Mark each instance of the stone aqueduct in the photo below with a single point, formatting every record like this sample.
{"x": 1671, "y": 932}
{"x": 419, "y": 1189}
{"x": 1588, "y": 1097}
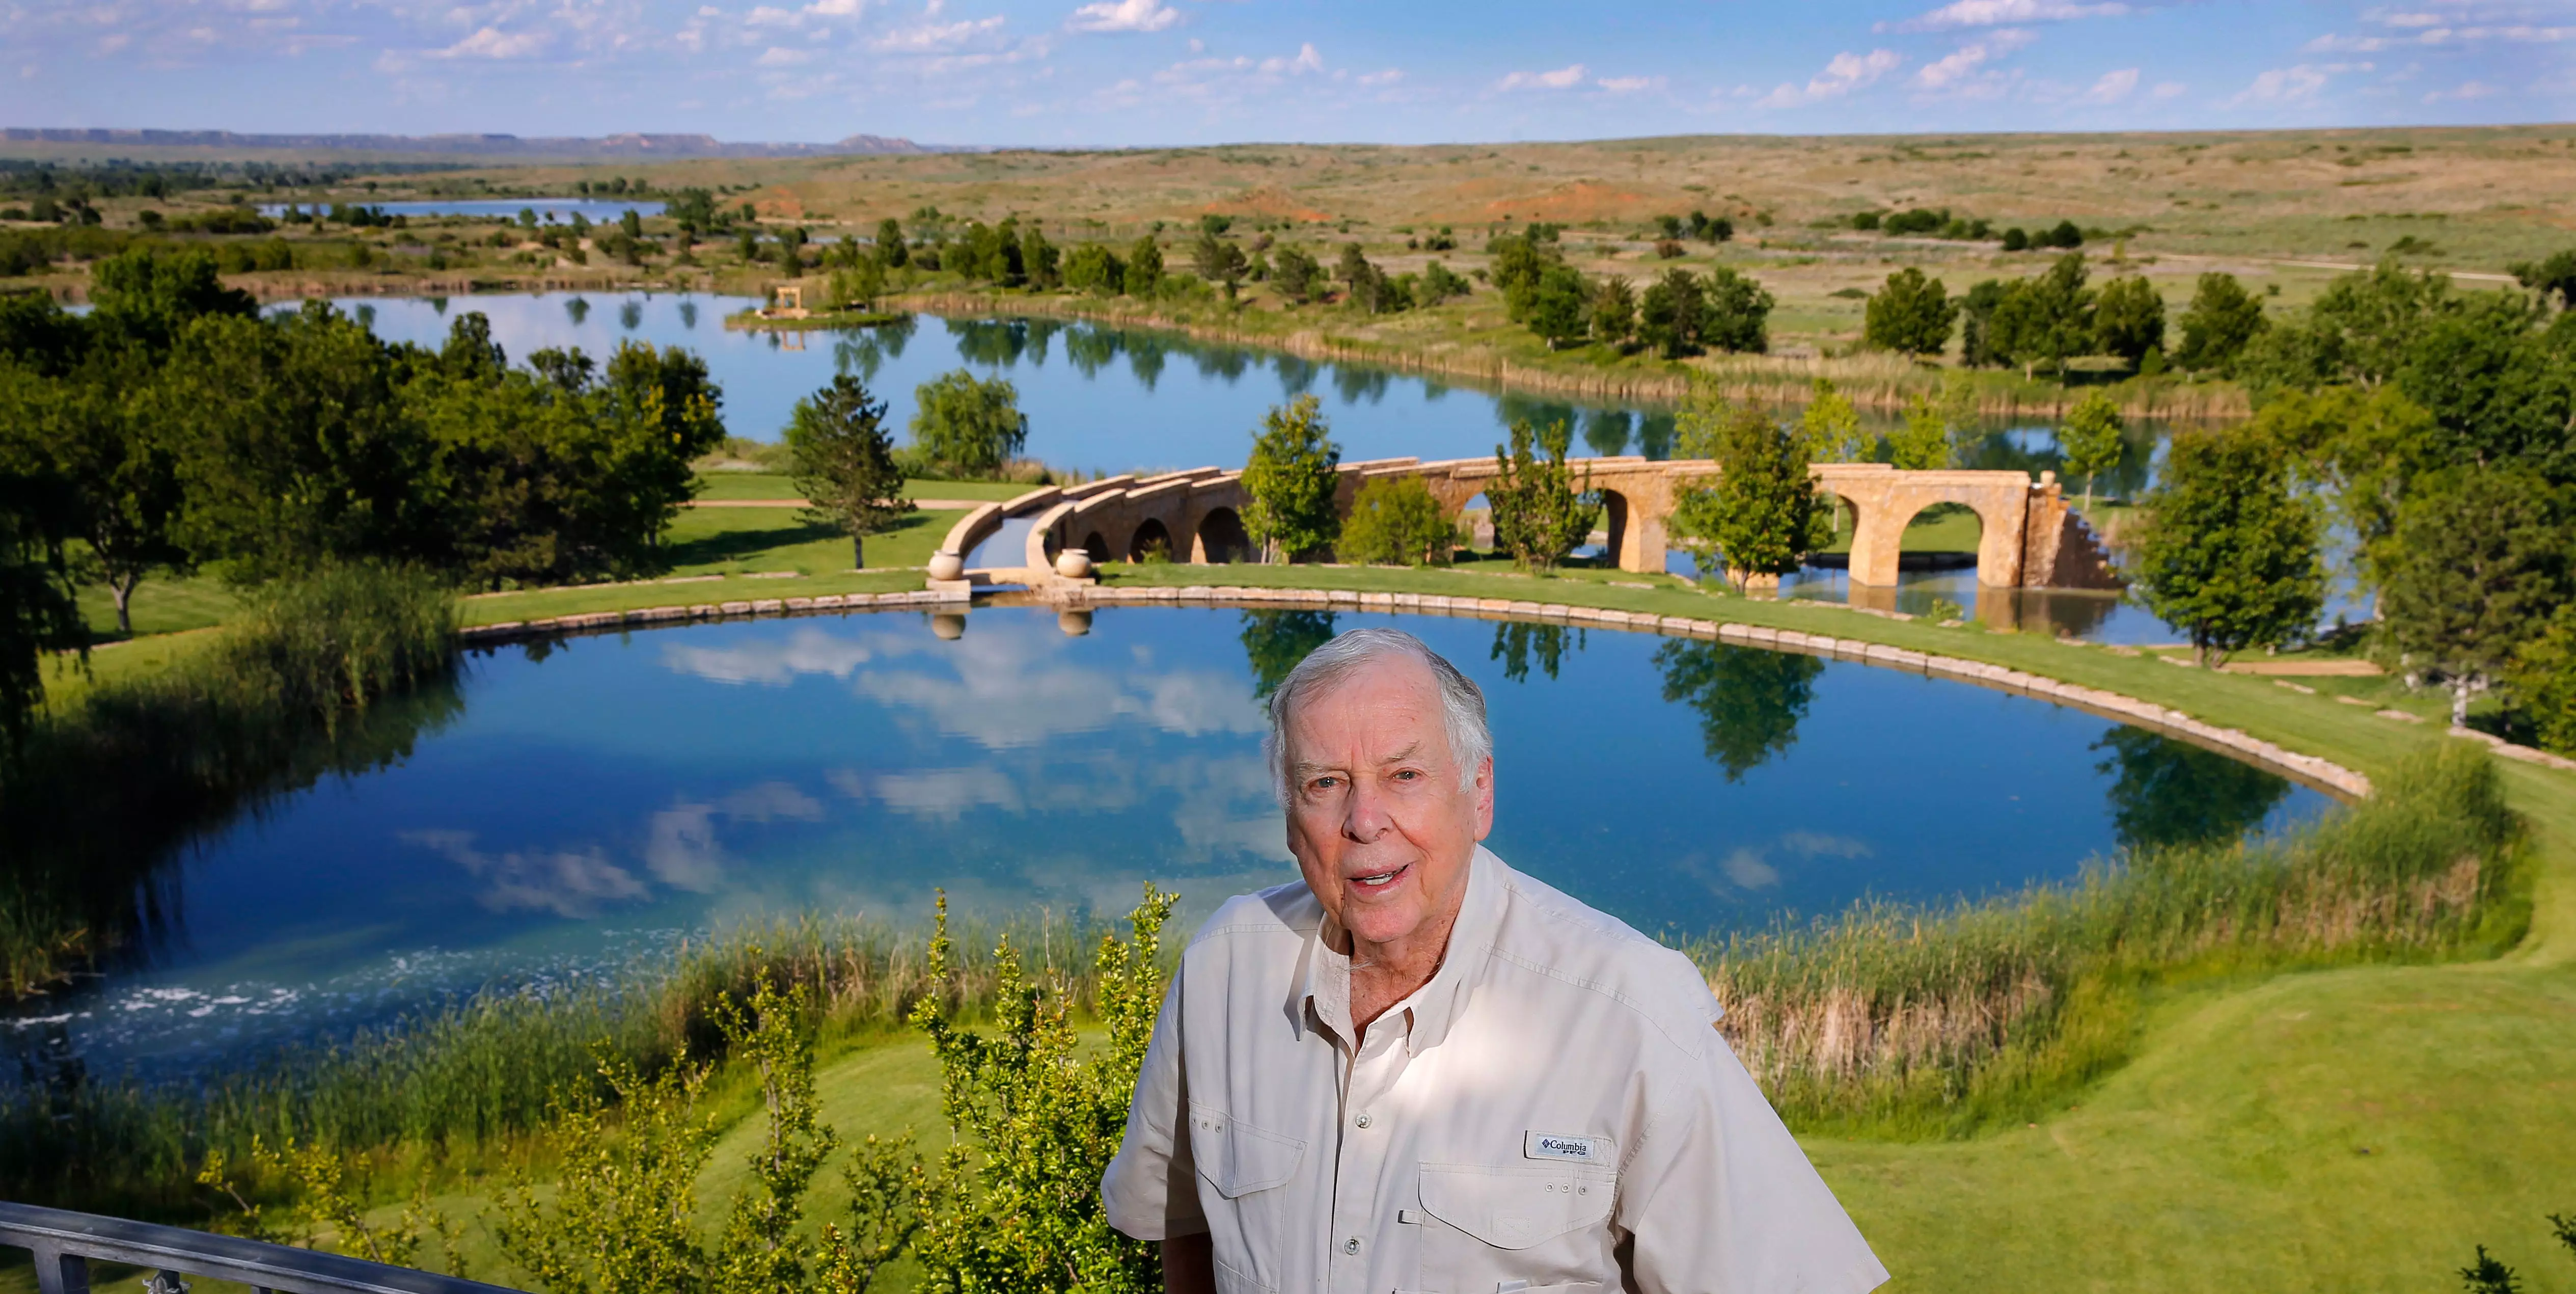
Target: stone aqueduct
{"x": 2029, "y": 538}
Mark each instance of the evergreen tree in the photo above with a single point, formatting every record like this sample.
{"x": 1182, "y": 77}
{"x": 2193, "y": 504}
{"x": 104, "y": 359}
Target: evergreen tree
{"x": 1541, "y": 513}
{"x": 1614, "y": 311}
{"x": 1144, "y": 267}
{"x": 1559, "y": 307}
{"x": 2480, "y": 566}
{"x": 890, "y": 250}
{"x": 841, "y": 458}
{"x": 1737, "y": 316}
{"x": 2229, "y": 553}
{"x": 1910, "y": 315}
{"x": 1291, "y": 478}
{"x": 1669, "y": 315}
{"x": 1976, "y": 325}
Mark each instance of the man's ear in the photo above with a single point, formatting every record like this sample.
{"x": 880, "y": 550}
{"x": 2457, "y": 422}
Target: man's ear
{"x": 1484, "y": 794}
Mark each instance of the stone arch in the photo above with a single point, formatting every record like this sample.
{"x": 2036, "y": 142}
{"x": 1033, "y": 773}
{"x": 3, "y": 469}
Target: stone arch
{"x": 1096, "y": 546}
{"x": 1998, "y": 543}
{"x": 1221, "y": 538}
{"x": 1615, "y": 512}
{"x": 1150, "y": 534}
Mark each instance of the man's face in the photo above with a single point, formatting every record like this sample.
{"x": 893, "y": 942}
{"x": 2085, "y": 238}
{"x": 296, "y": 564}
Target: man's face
{"x": 1376, "y": 816}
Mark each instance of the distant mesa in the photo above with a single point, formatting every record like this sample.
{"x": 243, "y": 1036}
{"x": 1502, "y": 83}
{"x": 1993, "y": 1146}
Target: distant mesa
{"x": 627, "y": 145}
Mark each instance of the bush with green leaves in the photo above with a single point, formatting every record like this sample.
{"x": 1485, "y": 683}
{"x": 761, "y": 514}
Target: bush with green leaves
{"x": 2091, "y": 441}
{"x": 1394, "y": 521}
{"x": 2128, "y": 318}
{"x": 967, "y": 428}
{"x": 2221, "y": 321}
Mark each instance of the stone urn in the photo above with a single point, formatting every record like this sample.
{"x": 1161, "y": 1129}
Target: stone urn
{"x": 1074, "y": 564}
{"x": 945, "y": 565}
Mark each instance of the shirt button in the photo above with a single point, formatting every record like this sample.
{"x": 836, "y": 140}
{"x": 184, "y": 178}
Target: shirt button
{"x": 1351, "y": 1246}
{"x": 1363, "y": 1121}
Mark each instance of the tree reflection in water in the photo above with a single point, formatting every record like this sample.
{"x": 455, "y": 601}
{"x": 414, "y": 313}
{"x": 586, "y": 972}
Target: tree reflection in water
{"x": 1749, "y": 701}
{"x": 2169, "y": 792}
{"x": 1517, "y": 643}
{"x": 1274, "y": 641}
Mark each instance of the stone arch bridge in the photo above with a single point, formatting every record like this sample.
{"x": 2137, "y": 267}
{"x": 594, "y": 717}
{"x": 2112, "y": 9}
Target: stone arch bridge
{"x": 2028, "y": 537}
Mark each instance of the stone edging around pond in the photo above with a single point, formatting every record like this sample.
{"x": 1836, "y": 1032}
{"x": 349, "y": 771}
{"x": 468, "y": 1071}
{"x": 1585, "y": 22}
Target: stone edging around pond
{"x": 2322, "y": 773}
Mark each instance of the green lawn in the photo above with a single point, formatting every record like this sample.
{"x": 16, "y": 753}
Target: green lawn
{"x": 721, "y": 486}
{"x": 163, "y": 604}
{"x": 730, "y": 541}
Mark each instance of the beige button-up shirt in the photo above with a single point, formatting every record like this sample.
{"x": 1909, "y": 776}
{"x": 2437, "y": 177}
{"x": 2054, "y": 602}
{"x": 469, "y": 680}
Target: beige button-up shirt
{"x": 1554, "y": 1112}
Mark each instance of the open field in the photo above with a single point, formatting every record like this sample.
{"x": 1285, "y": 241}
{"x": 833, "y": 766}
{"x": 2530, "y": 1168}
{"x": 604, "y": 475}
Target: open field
{"x": 2285, "y": 211}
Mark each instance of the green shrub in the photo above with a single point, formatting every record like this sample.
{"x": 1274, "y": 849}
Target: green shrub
{"x": 1395, "y": 522}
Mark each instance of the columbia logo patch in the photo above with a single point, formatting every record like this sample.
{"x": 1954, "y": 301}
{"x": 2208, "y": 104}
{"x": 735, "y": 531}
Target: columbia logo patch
{"x": 1554, "y": 1145}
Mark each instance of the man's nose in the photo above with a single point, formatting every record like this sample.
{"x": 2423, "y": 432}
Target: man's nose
{"x": 1365, "y": 819}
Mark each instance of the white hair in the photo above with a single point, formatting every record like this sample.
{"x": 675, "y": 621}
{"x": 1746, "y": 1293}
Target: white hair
{"x": 1462, "y": 703}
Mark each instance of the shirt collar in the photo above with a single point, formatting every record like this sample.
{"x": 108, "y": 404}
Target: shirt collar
{"x": 1323, "y": 992}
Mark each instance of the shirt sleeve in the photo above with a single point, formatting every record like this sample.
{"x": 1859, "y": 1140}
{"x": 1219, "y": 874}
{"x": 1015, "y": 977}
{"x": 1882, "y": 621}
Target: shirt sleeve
{"x": 1719, "y": 1199}
{"x": 1151, "y": 1189}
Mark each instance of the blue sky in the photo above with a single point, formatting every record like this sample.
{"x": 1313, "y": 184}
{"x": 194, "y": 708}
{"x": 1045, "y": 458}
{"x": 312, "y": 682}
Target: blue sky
{"x": 1129, "y": 72}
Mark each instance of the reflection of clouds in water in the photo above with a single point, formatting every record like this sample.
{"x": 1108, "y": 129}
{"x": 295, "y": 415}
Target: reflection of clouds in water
{"x": 1010, "y": 690}
{"x": 568, "y": 883}
{"x": 772, "y": 800}
{"x": 680, "y": 849}
{"x": 777, "y": 663}
{"x": 1749, "y": 868}
{"x": 946, "y": 794}
{"x": 1225, "y": 808}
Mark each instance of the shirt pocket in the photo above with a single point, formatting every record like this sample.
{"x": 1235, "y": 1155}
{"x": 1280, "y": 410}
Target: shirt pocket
{"x": 1246, "y": 1166}
{"x": 1502, "y": 1224}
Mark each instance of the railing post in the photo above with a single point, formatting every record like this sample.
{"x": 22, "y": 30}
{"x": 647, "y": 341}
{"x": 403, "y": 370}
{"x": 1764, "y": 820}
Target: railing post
{"x": 60, "y": 1273}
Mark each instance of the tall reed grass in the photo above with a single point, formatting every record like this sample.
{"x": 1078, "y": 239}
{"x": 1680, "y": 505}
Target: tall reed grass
{"x": 1902, "y": 1021}
{"x": 476, "y": 1073}
{"x": 335, "y": 672}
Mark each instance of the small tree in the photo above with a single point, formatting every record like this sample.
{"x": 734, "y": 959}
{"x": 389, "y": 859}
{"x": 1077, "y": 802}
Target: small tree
{"x": 2479, "y": 568}
{"x": 890, "y": 251}
{"x": 1911, "y": 315}
{"x": 1298, "y": 276}
{"x": 968, "y": 426}
{"x": 2222, "y": 320}
{"x": 1095, "y": 269}
{"x": 1559, "y": 307}
{"x": 1541, "y": 513}
{"x": 1762, "y": 514}
{"x": 1738, "y": 313}
{"x": 1614, "y": 310}
{"x": 1923, "y": 443}
{"x": 1832, "y": 426}
{"x": 841, "y": 458}
{"x": 1144, "y": 267}
{"x": 2090, "y": 442}
{"x": 1291, "y": 476}
{"x": 2229, "y": 553}
{"x": 1670, "y": 314}
{"x": 1218, "y": 260}
{"x": 858, "y": 286}
{"x": 1394, "y": 521}
{"x": 2044, "y": 320}
{"x": 2129, "y": 319}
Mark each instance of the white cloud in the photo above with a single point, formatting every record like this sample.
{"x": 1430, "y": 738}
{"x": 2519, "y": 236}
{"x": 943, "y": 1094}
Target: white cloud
{"x": 493, "y": 43}
{"x": 568, "y": 883}
{"x": 2167, "y": 89}
{"x": 781, "y": 56}
{"x": 1307, "y": 60}
{"x": 1628, "y": 84}
{"x": 837, "y": 8}
{"x": 2465, "y": 90}
{"x": 922, "y": 38}
{"x": 2000, "y": 13}
{"x": 1958, "y": 73}
{"x": 1846, "y": 73}
{"x": 1123, "y": 15}
{"x": 1563, "y": 78}
{"x": 2113, "y": 87}
{"x": 1388, "y": 77}
{"x": 2286, "y": 85}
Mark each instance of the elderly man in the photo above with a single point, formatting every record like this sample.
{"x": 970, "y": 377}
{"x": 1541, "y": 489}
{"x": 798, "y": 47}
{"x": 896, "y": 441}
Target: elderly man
{"x": 1423, "y": 1071}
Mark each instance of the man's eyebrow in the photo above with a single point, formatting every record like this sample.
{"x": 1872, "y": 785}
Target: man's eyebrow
{"x": 1403, "y": 755}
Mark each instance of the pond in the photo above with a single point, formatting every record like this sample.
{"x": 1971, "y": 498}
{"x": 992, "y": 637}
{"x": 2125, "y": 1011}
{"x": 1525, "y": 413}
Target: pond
{"x": 560, "y": 211}
{"x": 582, "y": 802}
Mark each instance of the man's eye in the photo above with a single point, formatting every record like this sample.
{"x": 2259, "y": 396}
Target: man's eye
{"x": 1408, "y": 775}
{"x": 1323, "y": 784}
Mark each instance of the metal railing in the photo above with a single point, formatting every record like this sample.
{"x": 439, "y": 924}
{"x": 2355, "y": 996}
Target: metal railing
{"x": 65, "y": 1242}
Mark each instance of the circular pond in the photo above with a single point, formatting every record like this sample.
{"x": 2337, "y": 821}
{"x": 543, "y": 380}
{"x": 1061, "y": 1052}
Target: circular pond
{"x": 574, "y": 803}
